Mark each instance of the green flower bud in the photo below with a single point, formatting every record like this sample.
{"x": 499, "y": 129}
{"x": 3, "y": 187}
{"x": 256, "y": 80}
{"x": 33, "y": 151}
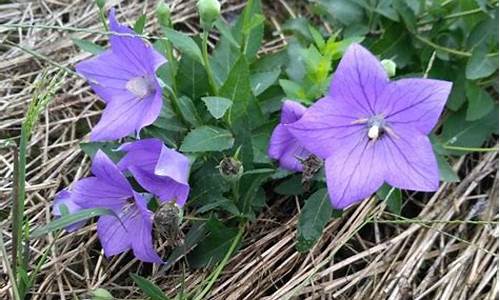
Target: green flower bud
{"x": 230, "y": 169}
{"x": 209, "y": 11}
{"x": 389, "y": 67}
{"x": 163, "y": 14}
{"x": 101, "y": 294}
{"x": 100, "y": 3}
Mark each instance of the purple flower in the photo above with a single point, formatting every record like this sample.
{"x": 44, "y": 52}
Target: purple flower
{"x": 283, "y": 146}
{"x": 65, "y": 198}
{"x": 124, "y": 77}
{"x": 371, "y": 130}
{"x": 158, "y": 169}
{"x": 109, "y": 188}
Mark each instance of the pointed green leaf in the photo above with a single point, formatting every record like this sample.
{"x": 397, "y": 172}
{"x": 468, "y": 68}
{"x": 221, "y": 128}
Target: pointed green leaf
{"x": 480, "y": 65}
{"x": 313, "y": 218}
{"x": 392, "y": 196}
{"x": 446, "y": 173}
{"x": 207, "y": 138}
{"x": 217, "y": 106}
{"x": 139, "y": 24}
{"x": 88, "y": 46}
{"x": 153, "y": 291}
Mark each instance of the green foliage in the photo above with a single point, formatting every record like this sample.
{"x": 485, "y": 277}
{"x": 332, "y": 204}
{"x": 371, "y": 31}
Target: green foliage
{"x": 392, "y": 197}
{"x": 184, "y": 43}
{"x": 153, "y": 291}
{"x": 88, "y": 46}
{"x": 217, "y": 106}
{"x": 207, "y": 138}
{"x": 313, "y": 218}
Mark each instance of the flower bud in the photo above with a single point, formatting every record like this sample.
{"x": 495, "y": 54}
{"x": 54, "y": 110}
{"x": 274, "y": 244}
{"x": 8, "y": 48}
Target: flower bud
{"x": 230, "y": 169}
{"x": 163, "y": 14}
{"x": 209, "y": 11}
{"x": 101, "y": 294}
{"x": 389, "y": 67}
{"x": 100, "y": 3}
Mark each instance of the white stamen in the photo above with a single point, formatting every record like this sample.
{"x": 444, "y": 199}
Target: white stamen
{"x": 140, "y": 86}
{"x": 374, "y": 132}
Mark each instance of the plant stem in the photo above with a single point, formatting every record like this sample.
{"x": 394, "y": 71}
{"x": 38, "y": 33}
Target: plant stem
{"x": 215, "y": 274}
{"x": 449, "y": 50}
{"x": 470, "y": 149}
{"x": 452, "y": 16}
{"x": 102, "y": 16}
{"x": 204, "y": 46}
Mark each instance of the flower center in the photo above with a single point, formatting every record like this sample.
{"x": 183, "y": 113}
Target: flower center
{"x": 141, "y": 86}
{"x": 376, "y": 127}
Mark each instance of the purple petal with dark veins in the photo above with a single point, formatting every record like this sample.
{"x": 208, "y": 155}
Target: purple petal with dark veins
{"x": 64, "y": 197}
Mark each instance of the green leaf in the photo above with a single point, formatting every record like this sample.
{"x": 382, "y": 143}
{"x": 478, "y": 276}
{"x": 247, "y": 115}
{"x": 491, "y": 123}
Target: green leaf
{"x": 153, "y": 291}
{"x": 222, "y": 60}
{"x": 458, "y": 132}
{"x": 207, "y": 138}
{"x": 67, "y": 220}
{"x": 446, "y": 173}
{"x": 346, "y": 12}
{"x": 195, "y": 234}
{"x": 292, "y": 89}
{"x": 291, "y": 186}
{"x": 184, "y": 43}
{"x": 481, "y": 65}
{"x": 188, "y": 111}
{"x": 226, "y": 33}
{"x": 217, "y": 106}
{"x": 261, "y": 81}
{"x": 88, "y": 46}
{"x": 406, "y": 14}
{"x": 250, "y": 182}
{"x": 191, "y": 78}
{"x": 213, "y": 248}
{"x": 392, "y": 196}
{"x": 479, "y": 102}
{"x": 223, "y": 203}
{"x": 139, "y": 24}
{"x": 248, "y": 30}
{"x": 313, "y": 218}
{"x": 109, "y": 148}
{"x": 237, "y": 88}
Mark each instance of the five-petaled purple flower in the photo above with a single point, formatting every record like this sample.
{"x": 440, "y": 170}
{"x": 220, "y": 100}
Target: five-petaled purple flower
{"x": 124, "y": 76}
{"x": 109, "y": 188}
{"x": 158, "y": 169}
{"x": 371, "y": 130}
{"x": 283, "y": 146}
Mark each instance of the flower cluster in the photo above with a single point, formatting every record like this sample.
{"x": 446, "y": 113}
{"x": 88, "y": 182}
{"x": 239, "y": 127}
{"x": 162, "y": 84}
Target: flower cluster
{"x": 368, "y": 129}
{"x": 124, "y": 77}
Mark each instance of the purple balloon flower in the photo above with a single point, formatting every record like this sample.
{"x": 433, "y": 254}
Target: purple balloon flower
{"x": 371, "y": 130}
{"x": 283, "y": 146}
{"x": 109, "y": 188}
{"x": 158, "y": 169}
{"x": 65, "y": 198}
{"x": 124, "y": 76}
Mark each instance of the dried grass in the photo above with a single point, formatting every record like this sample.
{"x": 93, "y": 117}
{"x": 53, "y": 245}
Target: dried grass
{"x": 360, "y": 256}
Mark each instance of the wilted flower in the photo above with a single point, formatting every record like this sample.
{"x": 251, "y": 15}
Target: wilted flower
{"x": 124, "y": 77}
{"x": 109, "y": 188}
{"x": 372, "y": 130}
{"x": 65, "y": 198}
{"x": 283, "y": 146}
{"x": 158, "y": 169}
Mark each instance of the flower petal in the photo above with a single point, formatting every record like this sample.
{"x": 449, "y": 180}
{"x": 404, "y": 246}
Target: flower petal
{"x": 113, "y": 234}
{"x": 283, "y": 146}
{"x": 415, "y": 102}
{"x": 64, "y": 197}
{"x": 354, "y": 171}
{"x": 141, "y": 233}
{"x": 137, "y": 54}
{"x": 144, "y": 153}
{"x": 291, "y": 111}
{"x": 359, "y": 80}
{"x": 325, "y": 126}
{"x": 106, "y": 74}
{"x": 125, "y": 116}
{"x": 174, "y": 166}
{"x": 410, "y": 162}
{"x": 106, "y": 170}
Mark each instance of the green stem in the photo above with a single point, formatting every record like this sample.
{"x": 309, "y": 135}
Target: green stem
{"x": 204, "y": 46}
{"x": 102, "y": 16}
{"x": 215, "y": 274}
{"x": 20, "y": 194}
{"x": 452, "y": 16}
{"x": 470, "y": 149}
{"x": 449, "y": 50}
